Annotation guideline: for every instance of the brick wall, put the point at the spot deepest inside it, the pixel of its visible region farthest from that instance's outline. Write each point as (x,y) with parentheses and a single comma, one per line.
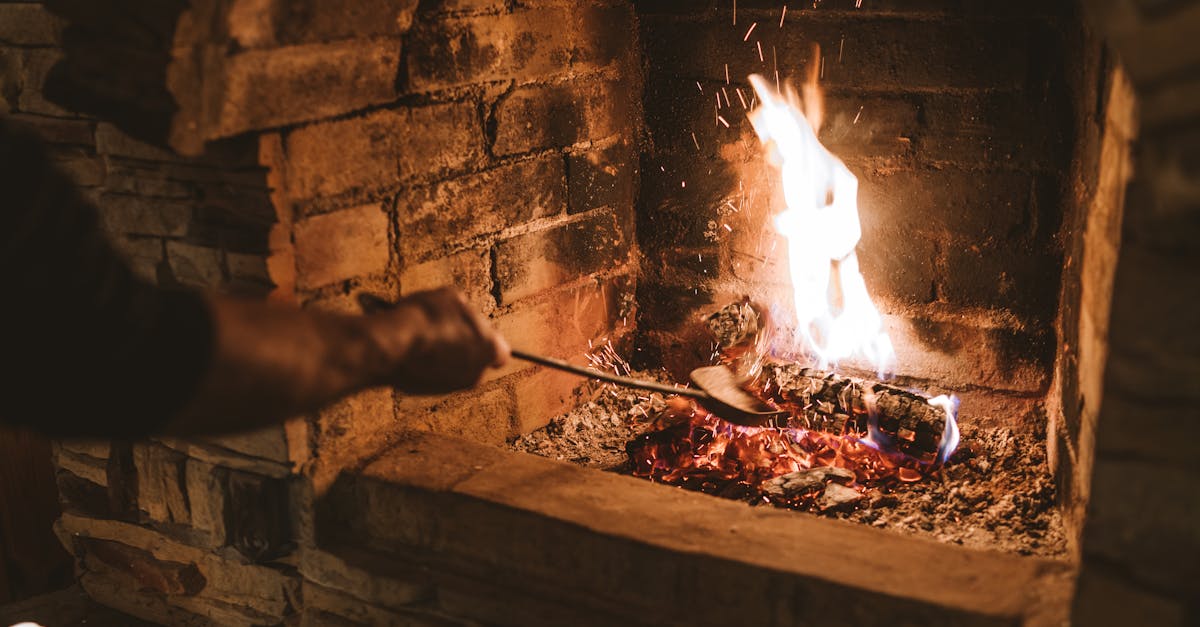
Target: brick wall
(955,118)
(392,148)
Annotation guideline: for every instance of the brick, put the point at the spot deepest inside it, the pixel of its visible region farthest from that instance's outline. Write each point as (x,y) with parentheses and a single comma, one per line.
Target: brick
(130,215)
(977,205)
(563,324)
(435,7)
(331,571)
(198,266)
(29,24)
(350,430)
(552,116)
(96,449)
(11,60)
(258,520)
(142,255)
(456,210)
(461,51)
(162,576)
(671,215)
(469,271)
(524,45)
(324,607)
(271,88)
(83,497)
(992,129)
(268,443)
(83,466)
(1003,275)
(542,396)
(250,268)
(256,23)
(601,178)
(112,141)
(35,67)
(205,489)
(216,455)
(530,263)
(341,245)
(258,593)
(891,53)
(870,126)
(901,267)
(382,148)
(120,594)
(83,169)
(161,486)
(479,415)
(54,130)
(149,182)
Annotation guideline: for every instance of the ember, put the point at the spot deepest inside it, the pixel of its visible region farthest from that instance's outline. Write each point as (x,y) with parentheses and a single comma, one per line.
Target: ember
(701,452)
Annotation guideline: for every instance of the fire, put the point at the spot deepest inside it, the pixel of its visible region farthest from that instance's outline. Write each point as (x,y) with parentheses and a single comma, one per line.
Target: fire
(701,452)
(834,315)
(835,320)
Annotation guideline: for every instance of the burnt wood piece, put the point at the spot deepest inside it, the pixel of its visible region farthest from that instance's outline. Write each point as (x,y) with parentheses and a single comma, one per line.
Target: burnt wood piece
(829,402)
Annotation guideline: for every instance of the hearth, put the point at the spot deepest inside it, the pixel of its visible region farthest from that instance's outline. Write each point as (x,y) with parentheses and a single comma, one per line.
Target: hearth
(600,179)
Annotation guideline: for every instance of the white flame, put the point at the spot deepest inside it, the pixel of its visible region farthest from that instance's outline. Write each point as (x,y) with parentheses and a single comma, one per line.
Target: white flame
(949,443)
(834,314)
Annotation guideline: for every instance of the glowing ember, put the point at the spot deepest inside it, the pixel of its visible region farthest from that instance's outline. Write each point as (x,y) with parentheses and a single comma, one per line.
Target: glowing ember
(701,452)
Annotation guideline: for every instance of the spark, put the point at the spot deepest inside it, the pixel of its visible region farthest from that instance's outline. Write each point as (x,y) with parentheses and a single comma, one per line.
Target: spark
(726,73)
(760,54)
(727,228)
(735,12)
(694,141)
(741,97)
(822,76)
(726,93)
(782,15)
(841,45)
(722,121)
(858,115)
(751,30)
(775,62)
(698,86)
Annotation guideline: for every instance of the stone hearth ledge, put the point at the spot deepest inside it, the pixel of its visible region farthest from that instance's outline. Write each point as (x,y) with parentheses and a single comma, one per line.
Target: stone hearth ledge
(511,538)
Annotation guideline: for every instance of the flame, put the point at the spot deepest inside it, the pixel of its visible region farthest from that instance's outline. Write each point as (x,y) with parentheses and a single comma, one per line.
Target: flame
(834,314)
(949,442)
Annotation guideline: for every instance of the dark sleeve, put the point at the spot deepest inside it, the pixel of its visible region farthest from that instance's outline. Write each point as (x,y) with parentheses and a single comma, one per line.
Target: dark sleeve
(89,349)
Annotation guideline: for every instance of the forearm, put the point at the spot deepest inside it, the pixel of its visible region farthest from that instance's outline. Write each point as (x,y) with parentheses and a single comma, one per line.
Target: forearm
(273,362)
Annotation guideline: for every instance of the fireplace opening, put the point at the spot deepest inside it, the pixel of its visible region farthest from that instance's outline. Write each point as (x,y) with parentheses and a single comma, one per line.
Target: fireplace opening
(900,223)
(948,163)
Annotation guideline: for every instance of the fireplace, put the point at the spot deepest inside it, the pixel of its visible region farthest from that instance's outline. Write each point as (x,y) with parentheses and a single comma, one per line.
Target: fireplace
(587,175)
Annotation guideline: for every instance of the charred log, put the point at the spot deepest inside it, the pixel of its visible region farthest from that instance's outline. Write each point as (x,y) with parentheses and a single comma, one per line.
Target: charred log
(828,402)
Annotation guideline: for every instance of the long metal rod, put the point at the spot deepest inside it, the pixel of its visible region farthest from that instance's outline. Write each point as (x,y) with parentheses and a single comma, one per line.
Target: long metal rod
(628,382)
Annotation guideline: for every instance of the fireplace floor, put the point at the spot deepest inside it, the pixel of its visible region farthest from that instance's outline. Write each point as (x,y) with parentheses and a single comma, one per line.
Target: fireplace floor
(995,493)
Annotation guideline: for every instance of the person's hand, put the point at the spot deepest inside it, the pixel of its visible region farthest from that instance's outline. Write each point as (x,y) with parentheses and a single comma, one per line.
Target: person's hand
(438,344)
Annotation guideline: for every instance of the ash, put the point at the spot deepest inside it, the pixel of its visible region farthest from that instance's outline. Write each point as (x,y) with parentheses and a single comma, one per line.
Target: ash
(995,493)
